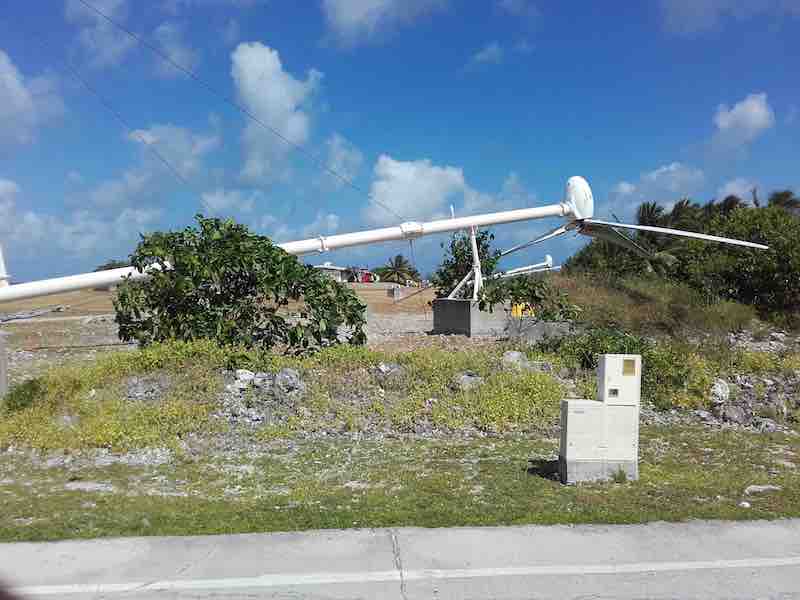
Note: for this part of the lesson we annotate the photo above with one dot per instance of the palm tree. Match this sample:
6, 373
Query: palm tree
649, 213
681, 212
397, 270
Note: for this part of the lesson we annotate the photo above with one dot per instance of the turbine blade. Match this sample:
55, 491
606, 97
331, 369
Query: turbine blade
555, 233
680, 233
613, 236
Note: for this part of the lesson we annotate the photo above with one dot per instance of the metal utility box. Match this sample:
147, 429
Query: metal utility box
600, 438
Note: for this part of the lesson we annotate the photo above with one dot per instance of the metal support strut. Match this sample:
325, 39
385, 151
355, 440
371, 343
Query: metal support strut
475, 274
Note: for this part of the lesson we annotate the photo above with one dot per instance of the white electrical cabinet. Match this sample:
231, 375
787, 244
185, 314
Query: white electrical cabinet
600, 438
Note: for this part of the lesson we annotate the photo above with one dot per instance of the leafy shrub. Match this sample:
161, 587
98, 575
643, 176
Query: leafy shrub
221, 282
549, 303
768, 280
672, 374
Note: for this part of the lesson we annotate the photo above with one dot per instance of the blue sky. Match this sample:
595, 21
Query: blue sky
422, 103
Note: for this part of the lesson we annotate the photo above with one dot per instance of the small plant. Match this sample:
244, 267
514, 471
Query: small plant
22, 396
619, 476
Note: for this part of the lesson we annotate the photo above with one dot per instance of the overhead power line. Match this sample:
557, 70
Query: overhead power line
118, 116
237, 105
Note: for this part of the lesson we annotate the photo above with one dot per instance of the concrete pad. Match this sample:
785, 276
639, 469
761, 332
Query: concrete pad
660, 560
458, 548
209, 557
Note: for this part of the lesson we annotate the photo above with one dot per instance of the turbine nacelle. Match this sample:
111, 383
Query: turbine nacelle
578, 198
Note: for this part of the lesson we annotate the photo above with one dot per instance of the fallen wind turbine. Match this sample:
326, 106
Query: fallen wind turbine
577, 206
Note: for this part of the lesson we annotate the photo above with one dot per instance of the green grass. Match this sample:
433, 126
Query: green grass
685, 473
346, 394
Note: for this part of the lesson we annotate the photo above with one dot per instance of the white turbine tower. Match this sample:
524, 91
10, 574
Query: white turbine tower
577, 207
5, 278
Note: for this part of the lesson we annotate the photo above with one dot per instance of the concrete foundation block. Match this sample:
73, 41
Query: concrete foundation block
463, 317
579, 471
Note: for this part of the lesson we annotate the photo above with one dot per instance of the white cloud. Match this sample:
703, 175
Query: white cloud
675, 178
103, 44
519, 8
492, 53
25, 104
356, 21
418, 189
323, 224
150, 179
227, 202
515, 193
170, 40
665, 185
183, 148
694, 16
624, 188
231, 32
9, 191
277, 99
413, 189
736, 187
743, 123
80, 233
343, 158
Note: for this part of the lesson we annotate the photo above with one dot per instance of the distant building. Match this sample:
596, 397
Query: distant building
336, 273
342, 274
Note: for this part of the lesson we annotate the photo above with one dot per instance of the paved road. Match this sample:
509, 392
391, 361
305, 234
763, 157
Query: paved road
695, 560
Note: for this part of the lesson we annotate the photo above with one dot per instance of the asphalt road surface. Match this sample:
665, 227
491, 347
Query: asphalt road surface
704, 560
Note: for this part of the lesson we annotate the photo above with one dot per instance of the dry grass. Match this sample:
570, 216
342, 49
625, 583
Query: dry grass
414, 301
80, 304
95, 302
651, 306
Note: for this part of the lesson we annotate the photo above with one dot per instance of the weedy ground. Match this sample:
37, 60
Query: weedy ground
686, 473
80, 458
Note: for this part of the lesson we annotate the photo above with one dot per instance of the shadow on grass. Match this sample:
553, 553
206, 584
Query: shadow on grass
546, 469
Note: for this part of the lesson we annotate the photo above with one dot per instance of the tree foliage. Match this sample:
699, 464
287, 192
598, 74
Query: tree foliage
113, 264
220, 281
547, 301
398, 270
769, 280
458, 260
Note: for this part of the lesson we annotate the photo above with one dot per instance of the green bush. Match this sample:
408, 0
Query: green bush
673, 374
548, 302
768, 280
221, 282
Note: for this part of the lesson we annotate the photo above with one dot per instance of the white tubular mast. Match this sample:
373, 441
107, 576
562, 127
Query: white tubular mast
404, 231
4, 276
